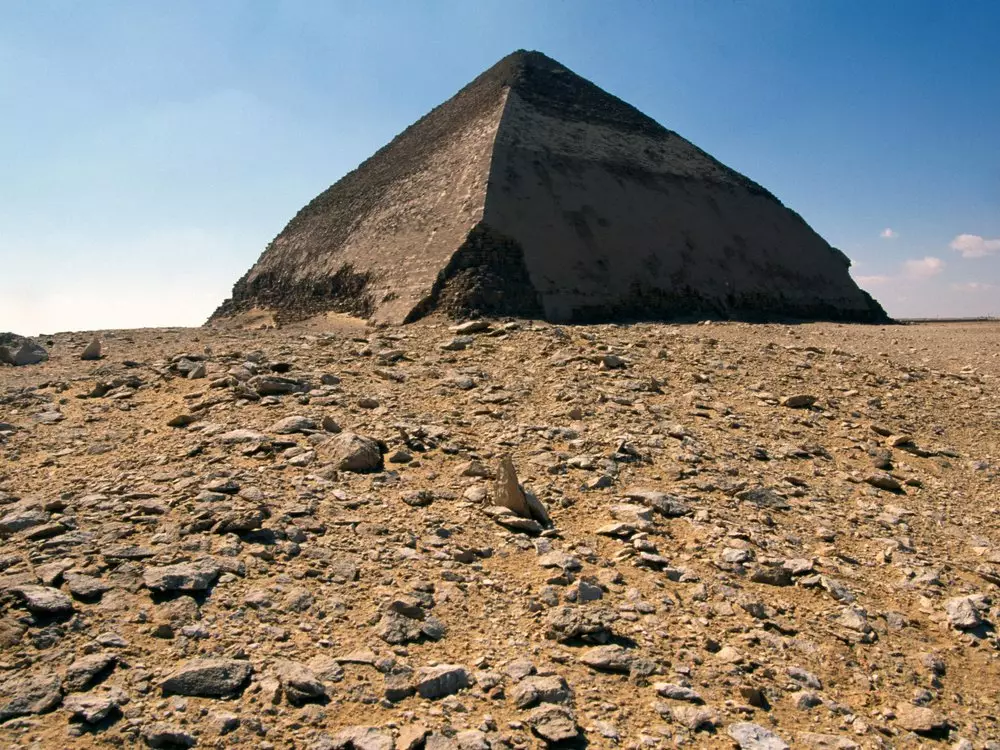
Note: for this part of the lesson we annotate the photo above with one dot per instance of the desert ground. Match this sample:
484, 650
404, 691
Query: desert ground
753, 536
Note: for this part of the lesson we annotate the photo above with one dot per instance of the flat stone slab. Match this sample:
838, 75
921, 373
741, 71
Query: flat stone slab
208, 678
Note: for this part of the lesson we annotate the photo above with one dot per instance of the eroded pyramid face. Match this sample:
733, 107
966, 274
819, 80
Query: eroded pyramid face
534, 193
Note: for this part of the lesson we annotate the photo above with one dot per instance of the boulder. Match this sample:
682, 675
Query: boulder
362, 738
290, 425
87, 670
751, 736
356, 453
44, 600
610, 658
34, 694
553, 724
193, 576
533, 690
92, 351
299, 683
507, 491
963, 614
208, 678
28, 353
919, 719
440, 681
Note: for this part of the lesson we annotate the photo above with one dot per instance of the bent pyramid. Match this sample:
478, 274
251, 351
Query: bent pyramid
534, 193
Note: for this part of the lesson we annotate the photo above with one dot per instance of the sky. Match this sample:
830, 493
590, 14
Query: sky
150, 151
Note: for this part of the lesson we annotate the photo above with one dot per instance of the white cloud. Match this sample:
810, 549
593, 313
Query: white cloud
974, 246
888, 234
924, 268
972, 286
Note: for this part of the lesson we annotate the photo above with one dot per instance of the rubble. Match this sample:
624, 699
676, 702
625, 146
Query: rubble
231, 581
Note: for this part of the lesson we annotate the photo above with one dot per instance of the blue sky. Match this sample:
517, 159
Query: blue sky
151, 150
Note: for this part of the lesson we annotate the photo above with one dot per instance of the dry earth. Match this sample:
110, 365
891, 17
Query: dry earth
722, 569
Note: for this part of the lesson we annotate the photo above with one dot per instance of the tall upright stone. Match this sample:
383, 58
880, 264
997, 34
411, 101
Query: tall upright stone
534, 193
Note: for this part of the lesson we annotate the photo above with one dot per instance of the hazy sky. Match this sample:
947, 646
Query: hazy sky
150, 150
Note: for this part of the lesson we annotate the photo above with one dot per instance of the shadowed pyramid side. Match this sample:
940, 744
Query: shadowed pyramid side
374, 242
532, 192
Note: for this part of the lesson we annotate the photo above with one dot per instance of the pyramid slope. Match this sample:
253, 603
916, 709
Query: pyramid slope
534, 193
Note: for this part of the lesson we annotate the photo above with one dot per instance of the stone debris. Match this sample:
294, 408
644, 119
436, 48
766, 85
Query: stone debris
196, 576
919, 719
27, 695
553, 724
751, 736
20, 351
611, 658
801, 401
507, 490
87, 670
89, 708
352, 452
440, 681
44, 600
532, 690
709, 568
291, 425
361, 738
92, 351
299, 683
163, 736
963, 613
212, 678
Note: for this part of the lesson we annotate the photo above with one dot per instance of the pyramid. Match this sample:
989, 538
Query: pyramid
534, 193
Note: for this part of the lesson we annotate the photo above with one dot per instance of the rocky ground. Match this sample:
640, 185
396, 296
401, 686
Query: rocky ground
717, 535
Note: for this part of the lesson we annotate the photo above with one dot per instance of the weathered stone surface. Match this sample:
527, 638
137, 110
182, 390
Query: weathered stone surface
90, 708
662, 502
884, 481
299, 683
236, 437
22, 519
821, 741
27, 353
755, 737
505, 245
44, 600
798, 401
677, 692
509, 519
963, 613
290, 425
83, 672
694, 718
587, 624
273, 385
919, 719
163, 736
84, 586
195, 576
541, 689
553, 724
25, 695
353, 452
210, 678
442, 680
507, 492
362, 738
611, 658
92, 350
